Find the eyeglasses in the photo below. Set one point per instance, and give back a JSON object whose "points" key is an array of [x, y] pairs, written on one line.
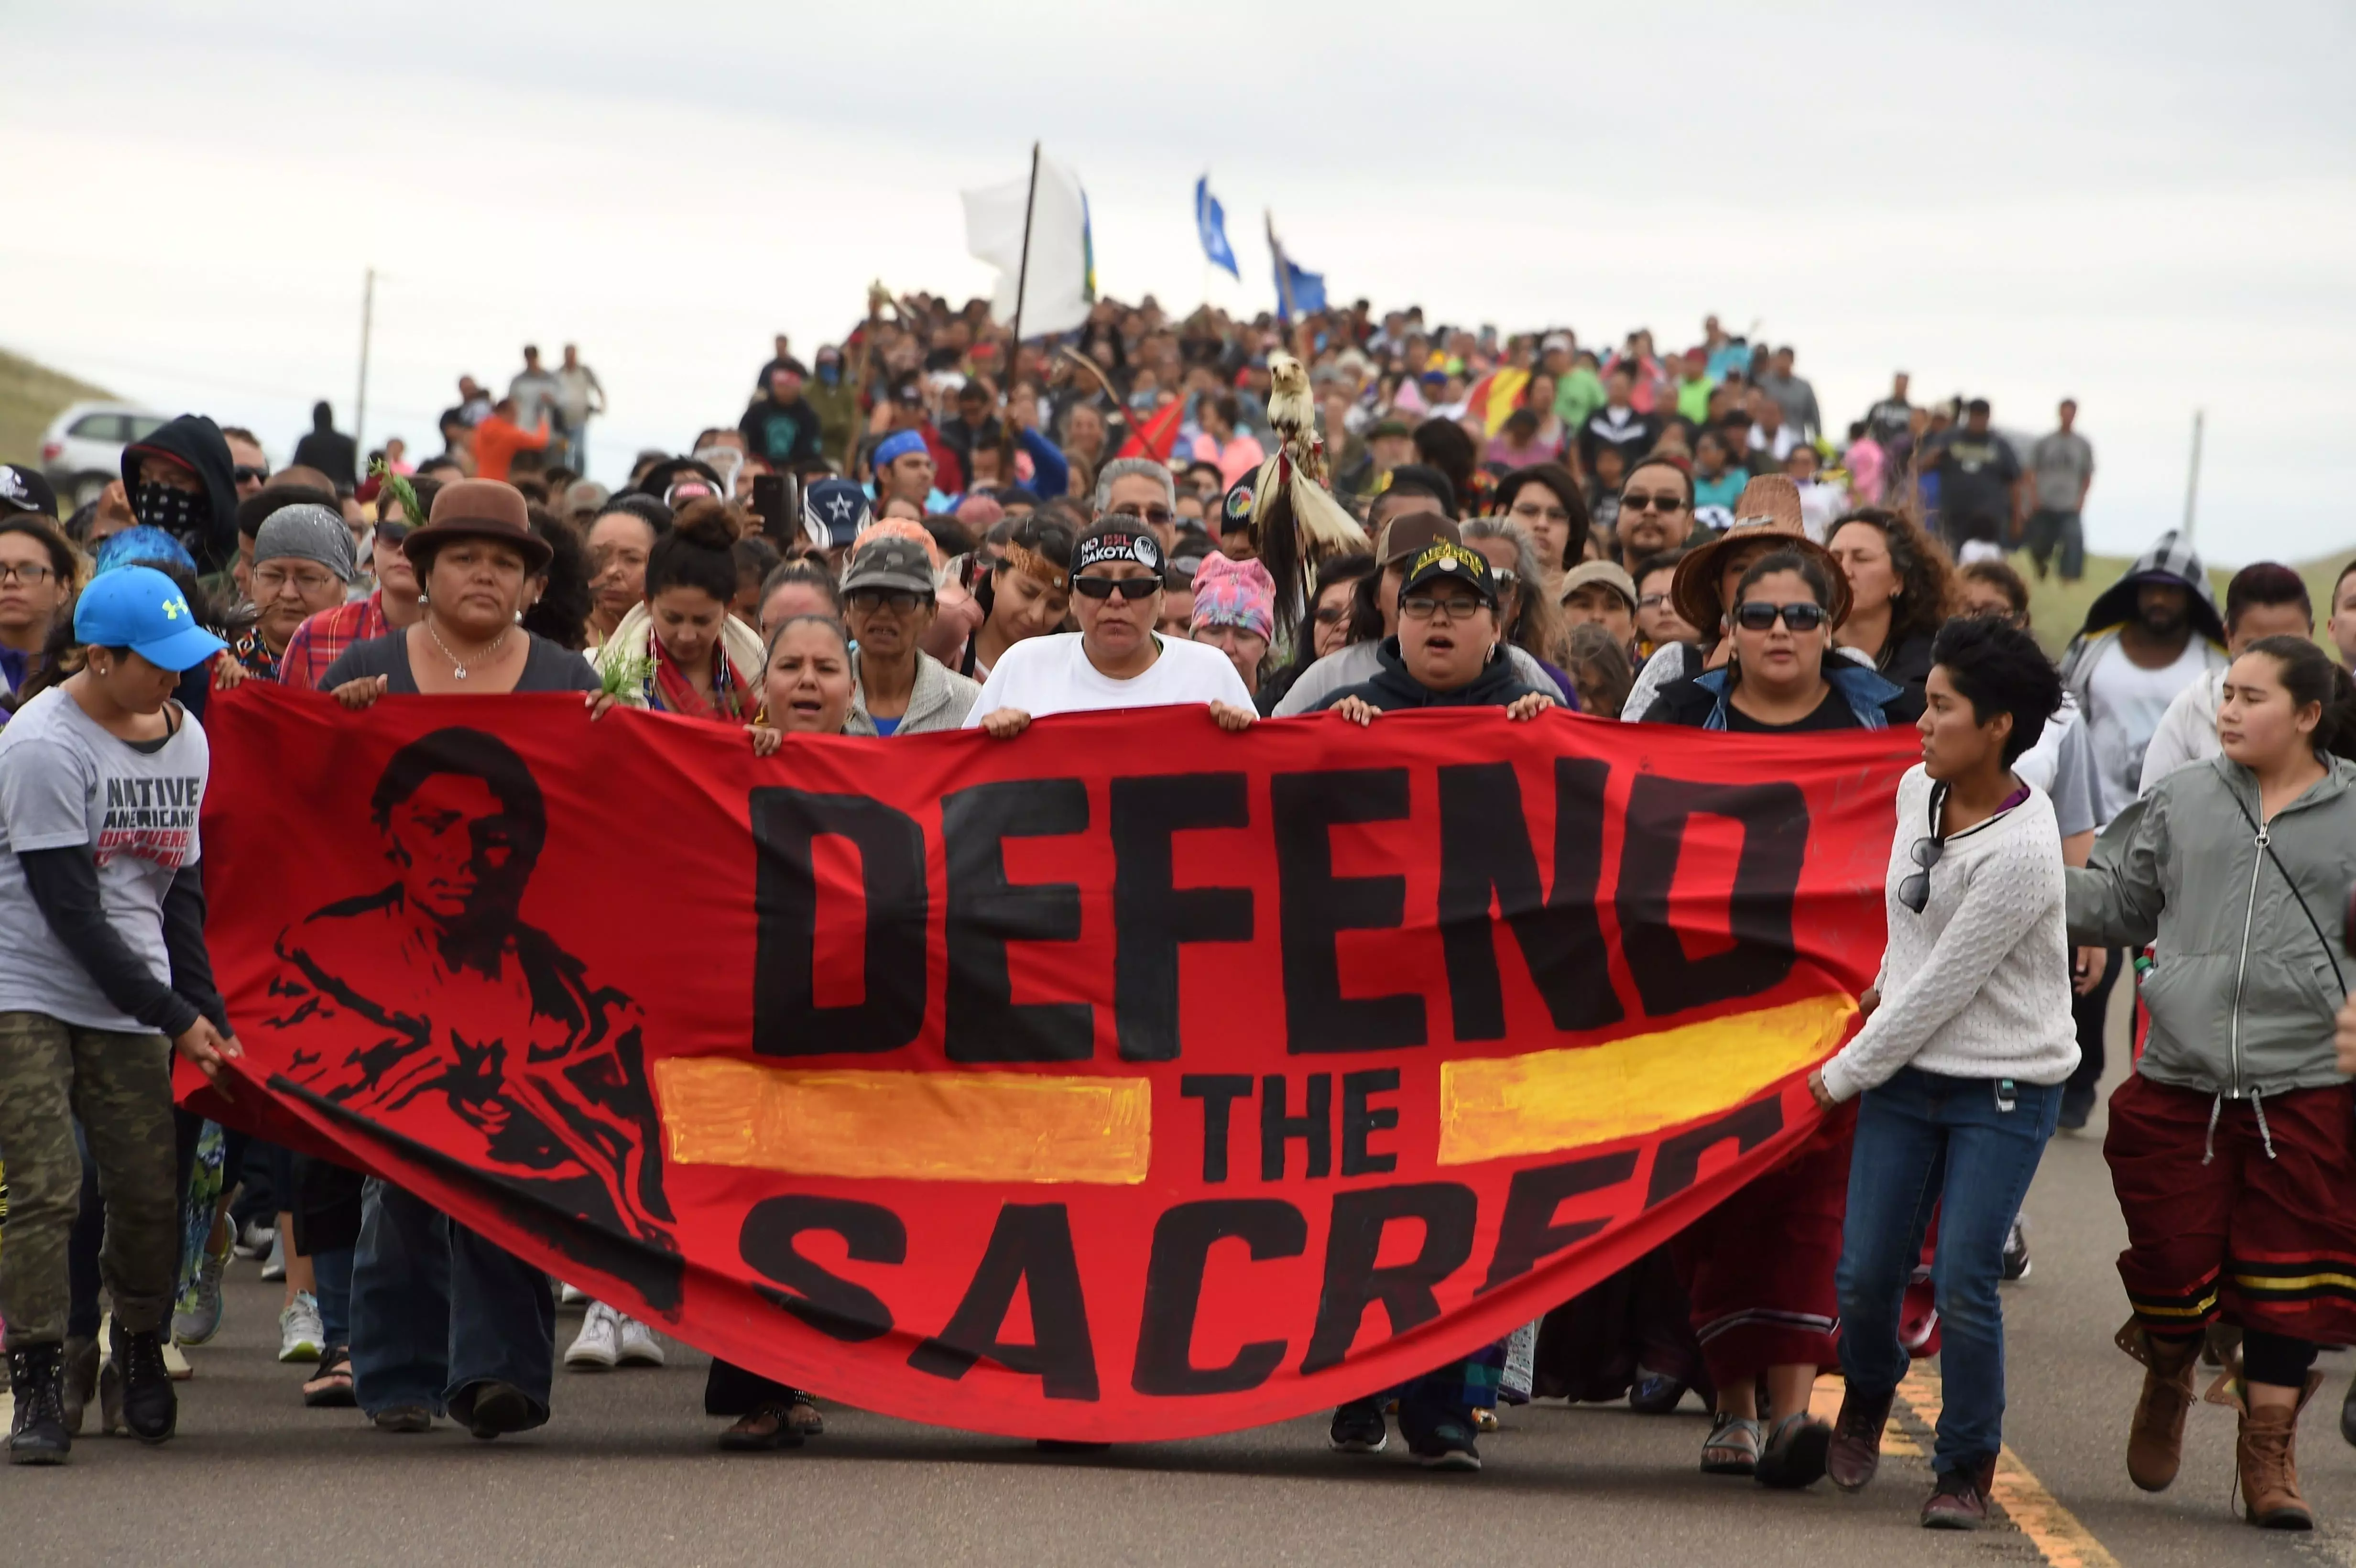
{"points": [[271, 579], [1127, 587], [1651, 601], [247, 472], [31, 573], [901, 601], [1157, 516], [1424, 606], [1758, 615], [1667, 501]]}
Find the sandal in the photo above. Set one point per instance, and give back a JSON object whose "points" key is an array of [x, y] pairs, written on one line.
{"points": [[762, 1428], [1794, 1457], [1732, 1447], [802, 1415], [331, 1386]]}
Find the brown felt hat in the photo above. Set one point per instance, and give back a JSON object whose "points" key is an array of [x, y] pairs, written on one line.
{"points": [[1412, 533], [1694, 590], [477, 509]]}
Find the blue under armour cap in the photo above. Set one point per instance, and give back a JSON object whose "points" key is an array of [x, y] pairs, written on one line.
{"points": [[139, 608]]}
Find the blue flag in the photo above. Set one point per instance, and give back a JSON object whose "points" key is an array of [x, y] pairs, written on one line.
{"points": [[1210, 222]]}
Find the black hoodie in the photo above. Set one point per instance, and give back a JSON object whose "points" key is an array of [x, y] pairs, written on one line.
{"points": [[196, 444], [1392, 687]]}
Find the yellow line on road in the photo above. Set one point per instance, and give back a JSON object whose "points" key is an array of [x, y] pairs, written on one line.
{"points": [[2052, 1529]]}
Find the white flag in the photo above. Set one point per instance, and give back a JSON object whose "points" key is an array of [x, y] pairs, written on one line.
{"points": [[1062, 282]]}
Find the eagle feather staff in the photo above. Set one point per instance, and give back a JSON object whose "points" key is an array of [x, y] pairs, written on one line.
{"points": [[1297, 520]]}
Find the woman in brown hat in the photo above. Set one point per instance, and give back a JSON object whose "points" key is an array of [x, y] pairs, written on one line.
{"points": [[1759, 1270], [474, 560]]}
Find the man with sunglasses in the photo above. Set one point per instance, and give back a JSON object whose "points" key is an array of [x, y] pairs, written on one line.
{"points": [[1116, 659], [250, 466], [1657, 512]]}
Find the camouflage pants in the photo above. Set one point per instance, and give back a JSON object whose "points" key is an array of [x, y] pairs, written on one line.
{"points": [[120, 1087]]}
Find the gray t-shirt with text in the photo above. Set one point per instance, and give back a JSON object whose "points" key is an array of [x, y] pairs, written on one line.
{"points": [[65, 782]]}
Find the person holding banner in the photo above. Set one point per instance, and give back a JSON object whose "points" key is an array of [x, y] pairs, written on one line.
{"points": [[808, 685], [890, 602], [1759, 1268], [104, 973], [2232, 1145], [1958, 1071], [678, 650], [1115, 660]]}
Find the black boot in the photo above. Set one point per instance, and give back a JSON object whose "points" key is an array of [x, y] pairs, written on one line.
{"points": [[150, 1407], [36, 1378]]}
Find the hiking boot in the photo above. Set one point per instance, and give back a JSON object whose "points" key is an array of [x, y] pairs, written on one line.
{"points": [[1855, 1452], [2155, 1435], [151, 1408], [80, 1379], [1794, 1457], [2265, 1457], [1359, 1428], [497, 1409], [36, 1433], [1960, 1501]]}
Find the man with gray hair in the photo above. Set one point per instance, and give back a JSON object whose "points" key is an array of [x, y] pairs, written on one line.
{"points": [[1141, 488], [302, 563]]}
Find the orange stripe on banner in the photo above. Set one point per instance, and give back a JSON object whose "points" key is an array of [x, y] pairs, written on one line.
{"points": [[1492, 1107], [923, 1126]]}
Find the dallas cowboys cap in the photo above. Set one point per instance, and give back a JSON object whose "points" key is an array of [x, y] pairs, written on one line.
{"points": [[833, 511], [139, 608], [23, 489]]}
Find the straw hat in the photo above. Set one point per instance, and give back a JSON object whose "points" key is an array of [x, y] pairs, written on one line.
{"points": [[1769, 508]]}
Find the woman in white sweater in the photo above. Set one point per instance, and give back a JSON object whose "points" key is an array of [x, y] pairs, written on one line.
{"points": [[1967, 1044]]}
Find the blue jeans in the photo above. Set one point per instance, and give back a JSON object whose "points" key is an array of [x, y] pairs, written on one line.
{"points": [[332, 1266], [436, 1309], [1927, 1142]]}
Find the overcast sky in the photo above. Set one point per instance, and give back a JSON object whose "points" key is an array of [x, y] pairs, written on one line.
{"points": [[2149, 207]]}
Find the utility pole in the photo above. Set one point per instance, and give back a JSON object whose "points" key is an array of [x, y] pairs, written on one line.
{"points": [[2192, 481], [359, 400]]}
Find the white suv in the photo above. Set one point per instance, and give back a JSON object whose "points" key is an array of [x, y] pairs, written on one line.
{"points": [[83, 449]]}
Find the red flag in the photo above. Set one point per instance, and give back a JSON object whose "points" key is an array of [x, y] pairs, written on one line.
{"points": [[1157, 435]]}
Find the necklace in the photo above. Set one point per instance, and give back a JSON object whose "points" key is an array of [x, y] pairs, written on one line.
{"points": [[457, 667]]}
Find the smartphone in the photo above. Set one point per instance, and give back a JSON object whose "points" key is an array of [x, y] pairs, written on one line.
{"points": [[769, 505]]}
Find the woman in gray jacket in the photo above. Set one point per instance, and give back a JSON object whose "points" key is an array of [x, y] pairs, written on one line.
{"points": [[2233, 1147]]}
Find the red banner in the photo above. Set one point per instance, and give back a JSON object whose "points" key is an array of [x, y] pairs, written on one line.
{"points": [[1127, 1080]]}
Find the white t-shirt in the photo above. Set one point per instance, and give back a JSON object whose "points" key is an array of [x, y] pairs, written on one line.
{"points": [[1048, 675], [2125, 703]]}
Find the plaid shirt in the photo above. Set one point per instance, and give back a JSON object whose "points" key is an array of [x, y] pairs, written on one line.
{"points": [[319, 641]]}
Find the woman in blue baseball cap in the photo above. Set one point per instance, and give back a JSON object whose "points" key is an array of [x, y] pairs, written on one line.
{"points": [[103, 973]]}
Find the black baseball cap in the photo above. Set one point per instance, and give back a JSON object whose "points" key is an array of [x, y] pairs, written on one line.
{"points": [[1444, 562], [23, 489]]}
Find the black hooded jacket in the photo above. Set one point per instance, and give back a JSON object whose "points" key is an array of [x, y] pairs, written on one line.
{"points": [[1392, 687], [197, 444]]}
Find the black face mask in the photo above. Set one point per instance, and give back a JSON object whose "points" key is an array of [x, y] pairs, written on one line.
{"points": [[176, 511]]}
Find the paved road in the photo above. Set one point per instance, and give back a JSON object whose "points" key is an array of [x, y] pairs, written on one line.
{"points": [[627, 1473]]}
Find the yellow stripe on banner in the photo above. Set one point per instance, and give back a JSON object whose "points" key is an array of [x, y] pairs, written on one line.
{"points": [[2060, 1537], [923, 1127], [1492, 1107]]}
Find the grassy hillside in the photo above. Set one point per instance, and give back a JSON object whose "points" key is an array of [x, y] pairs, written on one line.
{"points": [[2056, 609], [30, 396]]}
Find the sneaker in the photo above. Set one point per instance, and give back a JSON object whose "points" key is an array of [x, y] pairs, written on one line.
{"points": [[273, 1267], [37, 1429], [151, 1408], [572, 1295], [1656, 1393], [599, 1344], [403, 1418], [1359, 1428], [301, 1335], [1960, 1500], [1449, 1445], [255, 1239], [177, 1364], [202, 1318], [81, 1385], [2016, 1249], [638, 1346]]}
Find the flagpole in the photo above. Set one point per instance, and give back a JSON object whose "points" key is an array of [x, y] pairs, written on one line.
{"points": [[1015, 349]]}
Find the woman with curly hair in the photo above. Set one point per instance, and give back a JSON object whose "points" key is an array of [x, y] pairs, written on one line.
{"points": [[1899, 582]]}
